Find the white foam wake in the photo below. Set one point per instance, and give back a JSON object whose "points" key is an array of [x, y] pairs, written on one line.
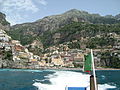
{"points": [[61, 79]]}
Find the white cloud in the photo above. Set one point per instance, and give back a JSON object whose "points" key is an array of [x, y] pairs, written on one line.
{"points": [[14, 8], [14, 19], [43, 2], [19, 5]]}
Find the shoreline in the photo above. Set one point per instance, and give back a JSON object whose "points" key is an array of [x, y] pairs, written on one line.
{"points": [[63, 68], [107, 69], [81, 69]]}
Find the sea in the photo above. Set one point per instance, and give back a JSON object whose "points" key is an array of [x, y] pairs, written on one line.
{"points": [[24, 79]]}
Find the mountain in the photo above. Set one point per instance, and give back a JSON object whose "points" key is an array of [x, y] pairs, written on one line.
{"points": [[28, 32], [73, 29]]}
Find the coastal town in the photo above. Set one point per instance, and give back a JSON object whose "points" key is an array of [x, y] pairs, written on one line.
{"points": [[54, 57]]}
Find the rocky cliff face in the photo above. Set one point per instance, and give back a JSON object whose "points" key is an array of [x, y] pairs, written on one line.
{"points": [[5, 25]]}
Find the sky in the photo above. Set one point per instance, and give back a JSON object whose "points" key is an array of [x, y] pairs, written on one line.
{"points": [[22, 11]]}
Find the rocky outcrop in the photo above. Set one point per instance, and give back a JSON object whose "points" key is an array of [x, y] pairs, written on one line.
{"points": [[5, 63], [5, 25]]}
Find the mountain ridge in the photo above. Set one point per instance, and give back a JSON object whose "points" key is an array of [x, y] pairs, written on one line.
{"points": [[75, 11], [30, 31]]}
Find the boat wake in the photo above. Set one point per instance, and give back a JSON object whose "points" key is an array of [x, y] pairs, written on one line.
{"points": [[61, 79]]}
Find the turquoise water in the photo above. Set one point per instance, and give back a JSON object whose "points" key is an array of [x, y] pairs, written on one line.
{"points": [[111, 77], [15, 79], [18, 79]]}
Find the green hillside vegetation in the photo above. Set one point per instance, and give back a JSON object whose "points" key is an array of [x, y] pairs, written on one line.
{"points": [[75, 31], [111, 60], [21, 36]]}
